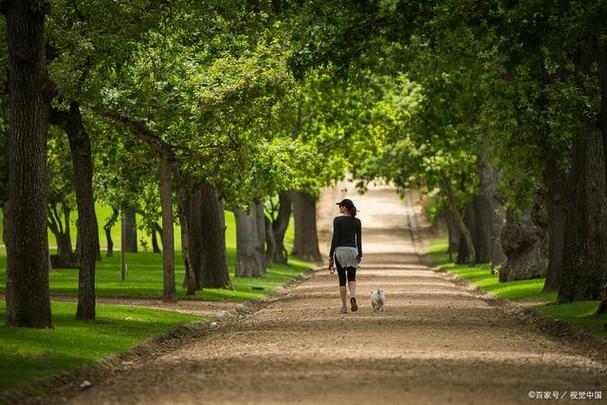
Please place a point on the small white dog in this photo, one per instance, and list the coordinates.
(377, 300)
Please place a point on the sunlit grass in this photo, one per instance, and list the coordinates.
(30, 354)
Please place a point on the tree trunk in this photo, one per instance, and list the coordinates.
(524, 244)
(454, 236)
(189, 278)
(129, 228)
(459, 221)
(478, 220)
(195, 238)
(489, 210)
(168, 248)
(584, 274)
(555, 182)
(260, 216)
(27, 291)
(80, 146)
(97, 241)
(306, 237)
(279, 227)
(108, 232)
(249, 258)
(155, 246)
(270, 242)
(123, 264)
(215, 272)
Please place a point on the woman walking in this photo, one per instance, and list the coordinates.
(346, 251)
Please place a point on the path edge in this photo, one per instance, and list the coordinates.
(66, 384)
(579, 339)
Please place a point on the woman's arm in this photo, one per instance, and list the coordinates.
(359, 242)
(335, 238)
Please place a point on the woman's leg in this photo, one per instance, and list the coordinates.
(341, 274)
(352, 281)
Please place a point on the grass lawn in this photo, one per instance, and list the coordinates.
(144, 278)
(579, 314)
(30, 354)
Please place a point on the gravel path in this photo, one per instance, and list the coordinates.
(435, 342)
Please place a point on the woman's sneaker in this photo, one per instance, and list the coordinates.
(344, 310)
(353, 304)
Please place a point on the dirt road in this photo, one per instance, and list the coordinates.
(434, 343)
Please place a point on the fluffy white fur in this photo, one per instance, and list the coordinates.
(377, 300)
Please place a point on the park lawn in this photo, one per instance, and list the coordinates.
(579, 314)
(144, 278)
(144, 240)
(30, 354)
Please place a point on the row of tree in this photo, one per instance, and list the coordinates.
(506, 115)
(173, 110)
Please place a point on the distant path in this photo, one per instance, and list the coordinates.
(435, 342)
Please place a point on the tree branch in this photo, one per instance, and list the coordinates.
(138, 129)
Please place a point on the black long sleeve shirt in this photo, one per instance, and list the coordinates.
(346, 232)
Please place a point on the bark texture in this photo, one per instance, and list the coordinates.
(306, 236)
(129, 228)
(556, 185)
(280, 225)
(525, 246)
(169, 293)
(213, 250)
(82, 161)
(584, 274)
(195, 238)
(454, 211)
(249, 256)
(30, 91)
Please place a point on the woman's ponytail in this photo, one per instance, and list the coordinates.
(352, 211)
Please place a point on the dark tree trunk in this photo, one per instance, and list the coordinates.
(189, 278)
(123, 264)
(155, 246)
(454, 235)
(97, 241)
(213, 250)
(584, 275)
(108, 231)
(524, 244)
(459, 221)
(306, 237)
(556, 185)
(80, 146)
(489, 210)
(59, 224)
(195, 238)
(478, 219)
(168, 248)
(270, 242)
(260, 216)
(29, 89)
(249, 257)
(279, 227)
(129, 228)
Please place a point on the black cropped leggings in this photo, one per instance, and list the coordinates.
(348, 273)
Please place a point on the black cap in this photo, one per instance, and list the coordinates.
(346, 203)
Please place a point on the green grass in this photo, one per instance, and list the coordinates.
(579, 314)
(144, 279)
(145, 242)
(145, 272)
(30, 354)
